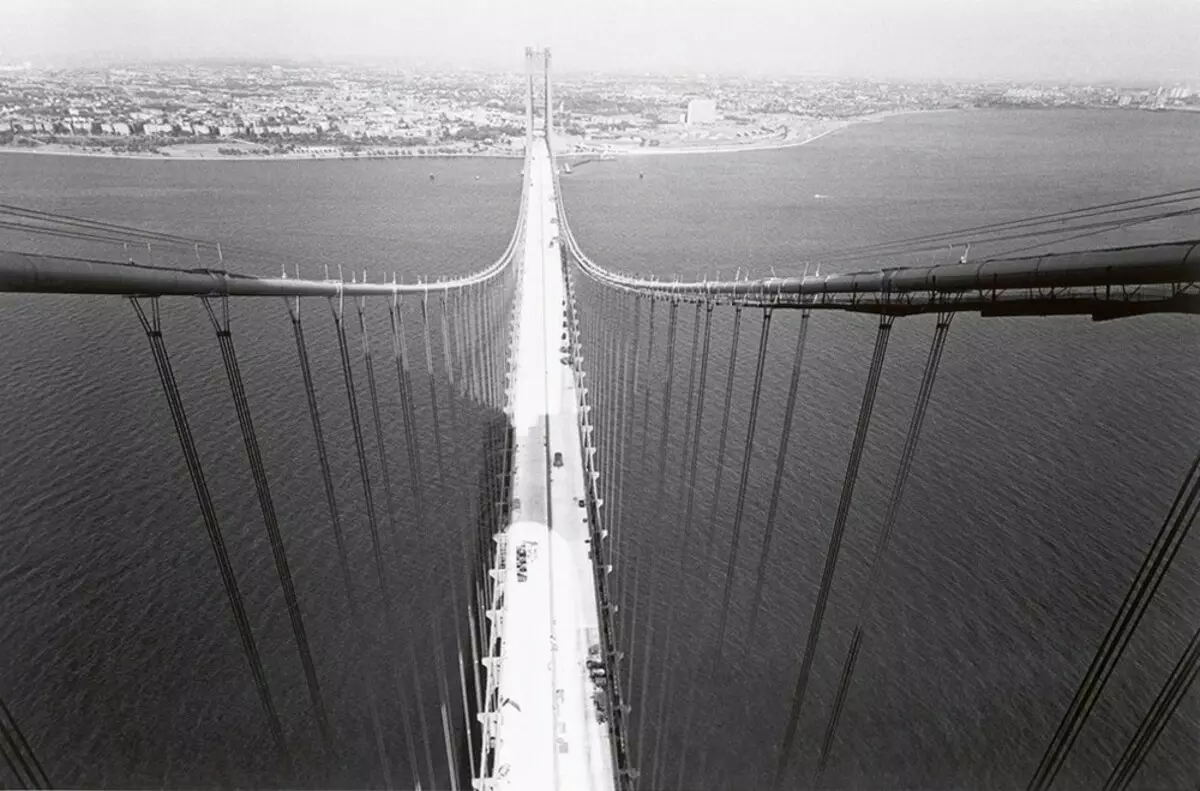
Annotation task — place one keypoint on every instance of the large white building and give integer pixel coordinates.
(701, 111)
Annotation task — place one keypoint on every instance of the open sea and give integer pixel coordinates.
(1051, 452)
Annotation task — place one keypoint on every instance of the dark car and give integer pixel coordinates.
(558, 462)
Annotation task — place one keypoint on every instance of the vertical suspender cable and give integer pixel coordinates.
(400, 355)
(336, 522)
(439, 654)
(747, 457)
(267, 505)
(372, 523)
(461, 570)
(22, 755)
(687, 519)
(646, 400)
(603, 384)
(835, 543)
(675, 594)
(480, 335)
(672, 325)
(924, 394)
(1154, 567)
(625, 557)
(780, 464)
(616, 545)
(725, 413)
(1151, 726)
(162, 361)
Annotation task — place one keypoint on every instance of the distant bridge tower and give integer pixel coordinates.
(530, 66)
(549, 99)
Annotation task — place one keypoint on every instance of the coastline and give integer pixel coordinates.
(213, 156)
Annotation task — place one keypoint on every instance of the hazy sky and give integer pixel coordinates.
(1019, 39)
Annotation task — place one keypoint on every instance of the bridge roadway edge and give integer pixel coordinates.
(542, 718)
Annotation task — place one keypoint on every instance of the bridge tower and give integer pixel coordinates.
(549, 99)
(547, 719)
(530, 66)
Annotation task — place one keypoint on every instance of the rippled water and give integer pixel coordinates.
(1051, 451)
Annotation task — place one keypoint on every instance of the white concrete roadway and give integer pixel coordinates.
(548, 734)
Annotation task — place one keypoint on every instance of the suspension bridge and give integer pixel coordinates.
(564, 656)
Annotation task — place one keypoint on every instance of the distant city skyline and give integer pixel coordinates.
(1019, 40)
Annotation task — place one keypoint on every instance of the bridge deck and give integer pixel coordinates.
(552, 737)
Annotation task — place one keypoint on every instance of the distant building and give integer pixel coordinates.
(701, 111)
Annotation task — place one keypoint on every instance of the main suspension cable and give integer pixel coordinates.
(835, 543)
(924, 395)
(1137, 599)
(152, 325)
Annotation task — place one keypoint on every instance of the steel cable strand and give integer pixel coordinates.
(721, 444)
(622, 569)
(1134, 204)
(479, 333)
(14, 740)
(716, 499)
(656, 589)
(1156, 718)
(8, 749)
(439, 654)
(614, 319)
(678, 577)
(373, 527)
(921, 404)
(400, 355)
(835, 542)
(607, 409)
(1100, 226)
(616, 546)
(780, 465)
(461, 570)
(270, 516)
(162, 361)
(485, 309)
(687, 518)
(747, 458)
(339, 538)
(604, 383)
(1069, 234)
(463, 379)
(646, 400)
(1137, 599)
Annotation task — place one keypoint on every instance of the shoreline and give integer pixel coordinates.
(735, 148)
(41, 151)
(772, 145)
